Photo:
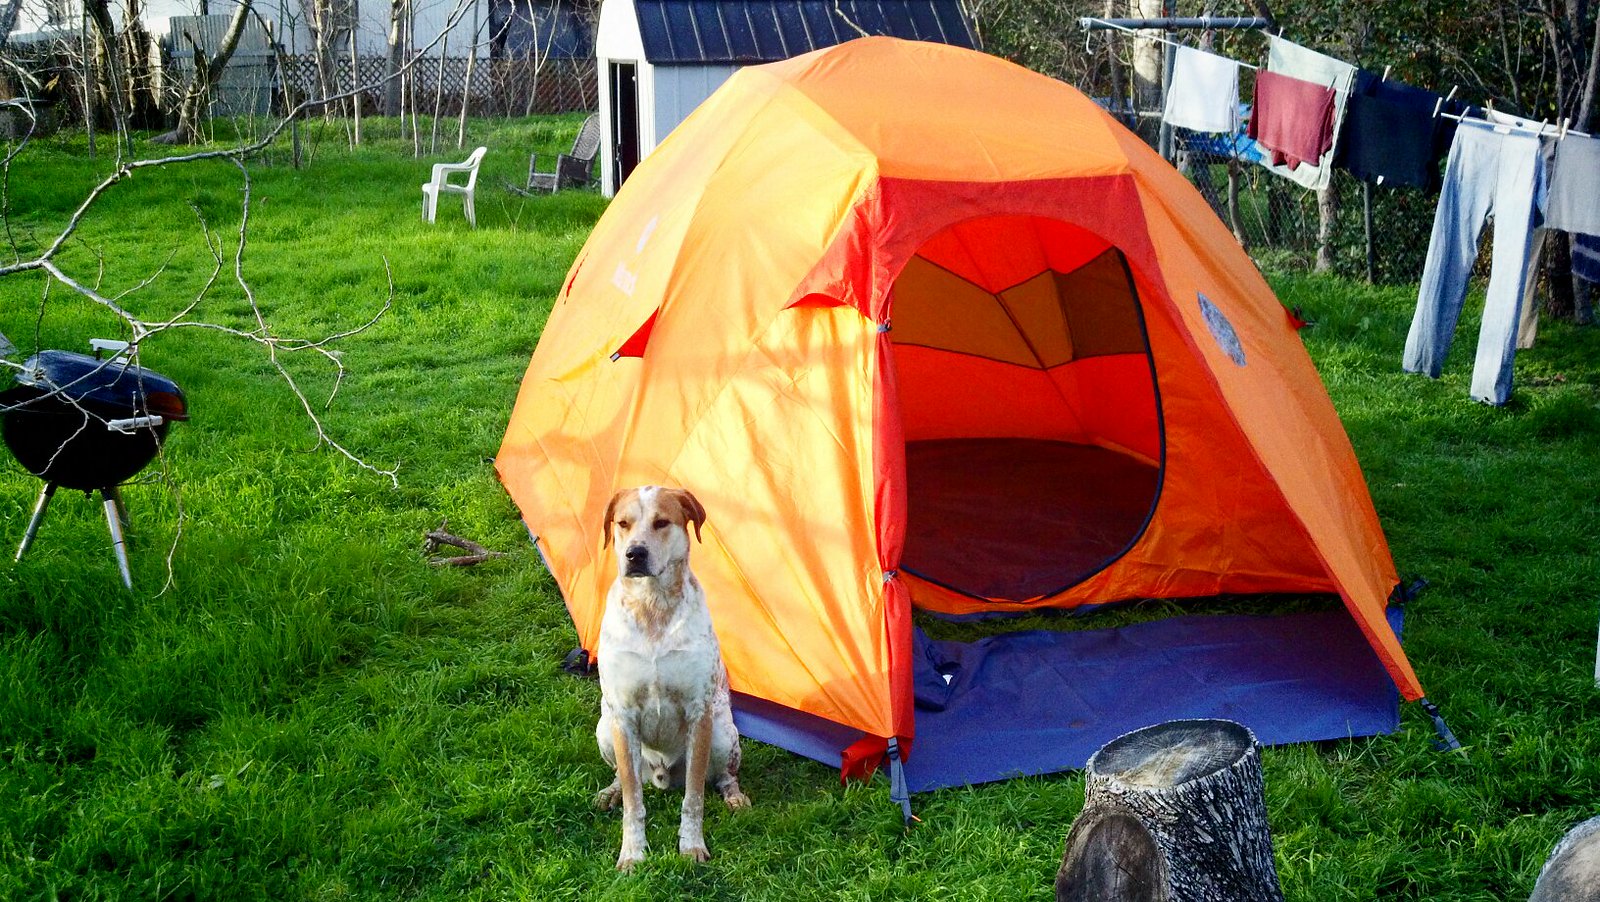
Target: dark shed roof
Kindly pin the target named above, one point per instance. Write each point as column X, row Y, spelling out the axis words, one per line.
column 764, row 31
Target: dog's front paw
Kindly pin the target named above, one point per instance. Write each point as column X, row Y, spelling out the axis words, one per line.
column 694, row 851
column 630, row 855
column 608, row 798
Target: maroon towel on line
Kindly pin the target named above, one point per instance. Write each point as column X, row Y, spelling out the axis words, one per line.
column 1292, row 118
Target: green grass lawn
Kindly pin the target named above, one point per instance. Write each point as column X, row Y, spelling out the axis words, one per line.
column 310, row 711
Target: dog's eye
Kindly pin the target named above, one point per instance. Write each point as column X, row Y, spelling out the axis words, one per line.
column 662, row 524
column 624, row 524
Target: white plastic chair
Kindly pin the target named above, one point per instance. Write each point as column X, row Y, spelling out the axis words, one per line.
column 441, row 185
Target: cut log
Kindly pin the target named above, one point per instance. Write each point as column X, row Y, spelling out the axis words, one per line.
column 1175, row 812
column 1572, row 872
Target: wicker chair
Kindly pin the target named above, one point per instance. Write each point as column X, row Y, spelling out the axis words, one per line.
column 574, row 169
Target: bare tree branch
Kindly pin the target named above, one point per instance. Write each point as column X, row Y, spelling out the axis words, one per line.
column 476, row 554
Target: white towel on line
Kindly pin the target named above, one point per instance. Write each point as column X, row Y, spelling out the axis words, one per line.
column 1203, row 94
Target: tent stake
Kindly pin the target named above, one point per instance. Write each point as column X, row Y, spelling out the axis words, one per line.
column 897, row 782
column 1447, row 740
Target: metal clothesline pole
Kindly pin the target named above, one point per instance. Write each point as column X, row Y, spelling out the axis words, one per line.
column 1175, row 23
column 1202, row 23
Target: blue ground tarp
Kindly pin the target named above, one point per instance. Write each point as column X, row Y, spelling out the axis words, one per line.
column 1042, row 701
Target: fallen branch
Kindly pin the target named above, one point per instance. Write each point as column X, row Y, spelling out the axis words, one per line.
column 476, row 554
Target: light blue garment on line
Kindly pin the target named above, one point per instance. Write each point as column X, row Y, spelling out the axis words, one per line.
column 1490, row 171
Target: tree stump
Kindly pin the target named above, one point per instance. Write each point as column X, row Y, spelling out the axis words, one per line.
column 1572, row 872
column 1175, row 812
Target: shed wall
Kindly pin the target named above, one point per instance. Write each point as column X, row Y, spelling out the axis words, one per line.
column 679, row 89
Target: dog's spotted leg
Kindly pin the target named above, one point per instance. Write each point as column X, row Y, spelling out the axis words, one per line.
column 732, row 795
column 632, row 791
column 726, row 755
column 691, row 834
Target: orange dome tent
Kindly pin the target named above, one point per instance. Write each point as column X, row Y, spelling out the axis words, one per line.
column 923, row 329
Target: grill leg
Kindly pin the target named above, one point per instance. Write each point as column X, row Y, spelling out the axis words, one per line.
column 39, row 508
column 113, row 504
column 114, row 494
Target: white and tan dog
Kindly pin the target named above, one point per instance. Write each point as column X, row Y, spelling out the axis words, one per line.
column 664, row 707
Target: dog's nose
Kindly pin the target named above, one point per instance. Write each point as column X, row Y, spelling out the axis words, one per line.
column 636, row 561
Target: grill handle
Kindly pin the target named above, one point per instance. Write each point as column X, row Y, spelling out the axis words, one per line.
column 131, row 423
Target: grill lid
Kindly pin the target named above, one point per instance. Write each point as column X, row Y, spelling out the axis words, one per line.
column 109, row 384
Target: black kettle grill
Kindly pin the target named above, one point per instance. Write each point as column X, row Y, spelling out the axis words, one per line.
column 78, row 421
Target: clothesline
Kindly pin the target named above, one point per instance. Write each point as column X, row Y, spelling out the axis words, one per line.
column 1541, row 129
column 1168, row 41
column 1562, row 131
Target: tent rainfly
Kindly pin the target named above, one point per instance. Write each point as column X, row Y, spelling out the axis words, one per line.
column 927, row 332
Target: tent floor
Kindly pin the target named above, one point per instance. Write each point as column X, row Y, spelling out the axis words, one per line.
column 1013, row 519
column 1042, row 701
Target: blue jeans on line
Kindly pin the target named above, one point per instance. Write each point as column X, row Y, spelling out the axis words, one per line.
column 1488, row 172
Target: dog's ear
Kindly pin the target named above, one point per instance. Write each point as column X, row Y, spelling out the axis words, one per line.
column 693, row 511
column 611, row 516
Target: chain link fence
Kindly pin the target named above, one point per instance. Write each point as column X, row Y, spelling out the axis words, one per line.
column 1376, row 234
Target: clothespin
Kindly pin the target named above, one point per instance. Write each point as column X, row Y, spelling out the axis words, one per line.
column 1385, row 73
column 1439, row 104
column 1563, row 132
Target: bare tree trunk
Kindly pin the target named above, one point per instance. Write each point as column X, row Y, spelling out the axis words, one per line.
column 1575, row 73
column 438, row 96
column 1233, row 200
column 135, row 50
column 1147, row 65
column 355, row 85
column 1591, row 83
column 8, row 20
column 1586, row 120
column 324, row 33
column 86, row 64
column 193, row 110
column 411, row 100
column 393, row 96
column 1119, row 92
column 99, row 13
column 1327, row 219
column 466, row 94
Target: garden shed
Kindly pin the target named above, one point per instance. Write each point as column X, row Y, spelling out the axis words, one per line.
column 658, row 59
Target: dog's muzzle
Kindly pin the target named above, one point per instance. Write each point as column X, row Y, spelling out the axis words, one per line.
column 637, row 559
